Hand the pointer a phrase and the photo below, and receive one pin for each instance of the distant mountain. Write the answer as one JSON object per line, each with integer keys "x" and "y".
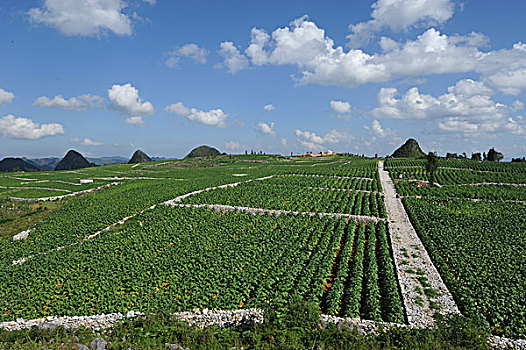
{"x": 49, "y": 163}
{"x": 410, "y": 149}
{"x": 73, "y": 160}
{"x": 203, "y": 151}
{"x": 17, "y": 164}
{"x": 107, "y": 160}
{"x": 139, "y": 157}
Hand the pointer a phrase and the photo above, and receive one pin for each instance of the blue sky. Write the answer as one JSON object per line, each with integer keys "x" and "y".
{"x": 276, "y": 76}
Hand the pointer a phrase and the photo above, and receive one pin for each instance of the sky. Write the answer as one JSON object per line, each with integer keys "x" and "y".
{"x": 107, "y": 77}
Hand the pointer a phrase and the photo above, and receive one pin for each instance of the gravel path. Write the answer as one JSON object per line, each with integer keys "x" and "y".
{"x": 416, "y": 272}
{"x": 260, "y": 211}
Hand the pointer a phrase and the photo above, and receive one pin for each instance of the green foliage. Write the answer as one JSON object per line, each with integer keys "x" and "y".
{"x": 295, "y": 326}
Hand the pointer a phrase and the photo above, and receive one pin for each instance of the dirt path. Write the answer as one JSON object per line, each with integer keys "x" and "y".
{"x": 417, "y": 275}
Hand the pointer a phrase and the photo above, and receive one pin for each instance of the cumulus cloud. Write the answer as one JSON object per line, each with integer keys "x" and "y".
{"x": 341, "y": 107}
{"x": 136, "y": 121}
{"x": 467, "y": 107}
{"x": 191, "y": 51}
{"x": 266, "y": 128}
{"x": 234, "y": 60}
{"x": 306, "y": 46}
{"x": 80, "y": 103}
{"x": 213, "y": 117}
{"x": 85, "y": 18}
{"x": 377, "y": 129}
{"x": 269, "y": 107}
{"x": 401, "y": 15}
{"x": 25, "y": 128}
{"x": 125, "y": 99}
{"x": 234, "y": 146}
{"x": 6, "y": 97}
{"x": 87, "y": 142}
{"x": 315, "y": 142}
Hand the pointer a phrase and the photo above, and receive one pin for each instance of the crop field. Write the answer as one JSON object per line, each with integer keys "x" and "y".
{"x": 475, "y": 235}
{"x": 120, "y": 248}
{"x": 298, "y": 197}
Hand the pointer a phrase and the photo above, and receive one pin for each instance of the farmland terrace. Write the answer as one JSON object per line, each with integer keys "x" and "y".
{"x": 330, "y": 230}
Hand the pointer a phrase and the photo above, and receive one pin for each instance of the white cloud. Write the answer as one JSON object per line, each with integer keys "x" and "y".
{"x": 6, "y": 97}
{"x": 269, "y": 107}
{"x": 85, "y": 18}
{"x": 213, "y": 117}
{"x": 80, "y": 103}
{"x": 306, "y": 46}
{"x": 401, "y": 15}
{"x": 25, "y": 128}
{"x": 377, "y": 129}
{"x": 284, "y": 141}
{"x": 192, "y": 51}
{"x": 233, "y": 58}
{"x": 234, "y": 146}
{"x": 87, "y": 142}
{"x": 266, "y": 128}
{"x": 125, "y": 99}
{"x": 467, "y": 108}
{"x": 315, "y": 142}
{"x": 341, "y": 107}
{"x": 137, "y": 121}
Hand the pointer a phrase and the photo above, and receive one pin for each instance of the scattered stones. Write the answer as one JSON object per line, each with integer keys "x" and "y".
{"x": 22, "y": 235}
{"x": 99, "y": 344}
{"x": 48, "y": 326}
{"x": 82, "y": 347}
{"x": 175, "y": 347}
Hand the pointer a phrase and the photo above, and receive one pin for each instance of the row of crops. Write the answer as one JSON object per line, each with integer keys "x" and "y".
{"x": 447, "y": 177}
{"x": 176, "y": 259}
{"x": 476, "y": 246}
{"x": 493, "y": 193}
{"x": 301, "y": 198}
{"x": 480, "y": 253}
{"x": 352, "y": 167}
{"x": 362, "y": 184}
{"x": 504, "y": 167}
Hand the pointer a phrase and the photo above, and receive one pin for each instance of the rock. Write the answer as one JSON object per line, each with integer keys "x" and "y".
{"x": 48, "y": 326}
{"x": 175, "y": 347}
{"x": 130, "y": 314}
{"x": 99, "y": 344}
{"x": 82, "y": 347}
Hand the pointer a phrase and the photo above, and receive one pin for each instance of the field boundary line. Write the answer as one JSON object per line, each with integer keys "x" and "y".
{"x": 329, "y": 176}
{"x": 476, "y": 200}
{"x": 54, "y": 198}
{"x": 35, "y": 188}
{"x": 227, "y": 208}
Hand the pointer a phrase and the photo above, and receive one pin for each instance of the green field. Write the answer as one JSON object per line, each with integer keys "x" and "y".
{"x": 475, "y": 235}
{"x": 176, "y": 259}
